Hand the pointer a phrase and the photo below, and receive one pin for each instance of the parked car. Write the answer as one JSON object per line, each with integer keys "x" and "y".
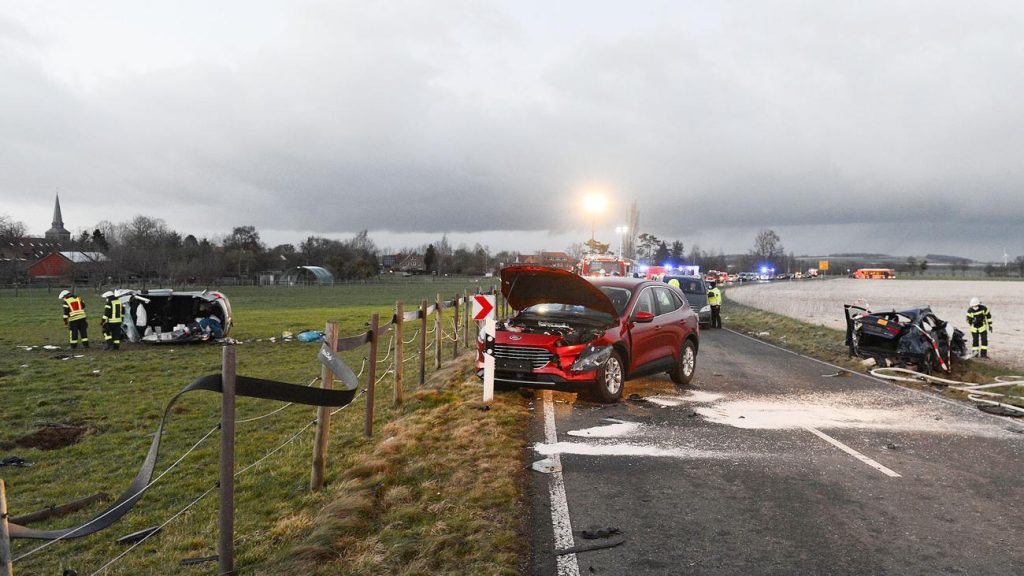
{"x": 165, "y": 316}
{"x": 590, "y": 334}
{"x": 914, "y": 337}
{"x": 696, "y": 292}
{"x": 747, "y": 277}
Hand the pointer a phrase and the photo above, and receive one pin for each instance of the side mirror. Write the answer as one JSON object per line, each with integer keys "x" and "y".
{"x": 643, "y": 318}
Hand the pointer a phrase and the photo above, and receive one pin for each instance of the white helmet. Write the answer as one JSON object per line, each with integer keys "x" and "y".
{"x": 63, "y": 294}
{"x": 975, "y": 301}
{"x": 108, "y": 294}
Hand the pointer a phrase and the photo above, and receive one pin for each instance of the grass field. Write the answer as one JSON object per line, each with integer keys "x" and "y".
{"x": 435, "y": 490}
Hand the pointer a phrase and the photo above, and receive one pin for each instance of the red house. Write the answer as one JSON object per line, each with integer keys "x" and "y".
{"x": 64, "y": 264}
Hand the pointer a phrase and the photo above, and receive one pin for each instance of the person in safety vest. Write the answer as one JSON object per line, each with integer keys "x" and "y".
{"x": 715, "y": 301}
{"x": 113, "y": 315}
{"x": 74, "y": 318}
{"x": 979, "y": 319}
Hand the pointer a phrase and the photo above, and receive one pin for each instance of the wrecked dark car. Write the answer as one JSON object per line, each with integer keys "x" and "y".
{"x": 590, "y": 334}
{"x": 165, "y": 316}
{"x": 914, "y": 338}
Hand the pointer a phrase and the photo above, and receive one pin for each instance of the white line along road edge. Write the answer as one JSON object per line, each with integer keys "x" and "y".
{"x": 560, "y": 522}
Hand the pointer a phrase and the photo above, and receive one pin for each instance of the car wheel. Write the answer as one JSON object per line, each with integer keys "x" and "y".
{"x": 610, "y": 379}
{"x": 686, "y": 364}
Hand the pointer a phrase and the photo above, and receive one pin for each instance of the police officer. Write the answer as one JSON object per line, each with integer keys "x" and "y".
{"x": 74, "y": 318}
{"x": 979, "y": 319}
{"x": 113, "y": 314}
{"x": 715, "y": 300}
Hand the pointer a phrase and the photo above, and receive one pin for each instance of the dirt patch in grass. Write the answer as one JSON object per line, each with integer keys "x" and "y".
{"x": 51, "y": 437}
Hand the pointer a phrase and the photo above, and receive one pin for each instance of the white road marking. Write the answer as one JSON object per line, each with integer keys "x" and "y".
{"x": 560, "y": 522}
{"x": 852, "y": 452}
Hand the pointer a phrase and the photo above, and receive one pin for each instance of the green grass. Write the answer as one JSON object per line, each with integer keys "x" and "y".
{"x": 411, "y": 499}
{"x": 828, "y": 344}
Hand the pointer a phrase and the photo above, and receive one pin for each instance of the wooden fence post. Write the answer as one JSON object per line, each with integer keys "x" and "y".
{"x": 455, "y": 328}
{"x": 226, "y": 516}
{"x": 423, "y": 342}
{"x": 399, "y": 350}
{"x": 323, "y": 416}
{"x": 371, "y": 374}
{"x": 465, "y": 331}
{"x": 438, "y": 332}
{"x": 6, "y": 564}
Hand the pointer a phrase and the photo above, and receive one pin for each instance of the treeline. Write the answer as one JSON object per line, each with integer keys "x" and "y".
{"x": 145, "y": 248}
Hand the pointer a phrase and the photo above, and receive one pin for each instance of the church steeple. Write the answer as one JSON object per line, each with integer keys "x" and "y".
{"x": 57, "y": 231}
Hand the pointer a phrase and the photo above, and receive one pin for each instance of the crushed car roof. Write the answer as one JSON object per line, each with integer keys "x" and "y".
{"x": 525, "y": 286}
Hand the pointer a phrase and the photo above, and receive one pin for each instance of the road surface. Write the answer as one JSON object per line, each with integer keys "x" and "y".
{"x": 769, "y": 465}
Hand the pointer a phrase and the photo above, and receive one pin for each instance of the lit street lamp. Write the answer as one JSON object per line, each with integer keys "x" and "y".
{"x": 594, "y": 204}
{"x": 621, "y": 231}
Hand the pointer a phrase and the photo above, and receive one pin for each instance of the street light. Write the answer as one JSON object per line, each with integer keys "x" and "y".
{"x": 621, "y": 231}
{"x": 594, "y": 203}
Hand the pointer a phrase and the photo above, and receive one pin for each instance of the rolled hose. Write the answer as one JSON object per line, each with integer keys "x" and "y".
{"x": 974, "y": 391}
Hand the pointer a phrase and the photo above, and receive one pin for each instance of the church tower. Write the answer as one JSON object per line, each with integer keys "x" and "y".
{"x": 57, "y": 231}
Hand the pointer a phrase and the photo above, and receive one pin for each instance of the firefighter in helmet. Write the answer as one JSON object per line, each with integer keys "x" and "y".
{"x": 715, "y": 301}
{"x": 979, "y": 319}
{"x": 113, "y": 315}
{"x": 74, "y": 318}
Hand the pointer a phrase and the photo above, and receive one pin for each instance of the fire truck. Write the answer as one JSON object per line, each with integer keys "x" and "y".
{"x": 604, "y": 265}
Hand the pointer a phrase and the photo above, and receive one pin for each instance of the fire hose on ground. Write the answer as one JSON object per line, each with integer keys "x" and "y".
{"x": 980, "y": 393}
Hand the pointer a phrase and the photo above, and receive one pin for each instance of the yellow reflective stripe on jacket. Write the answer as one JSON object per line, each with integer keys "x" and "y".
{"x": 74, "y": 308}
{"x": 113, "y": 311}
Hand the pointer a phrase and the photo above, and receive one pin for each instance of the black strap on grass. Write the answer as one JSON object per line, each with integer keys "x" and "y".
{"x": 244, "y": 386}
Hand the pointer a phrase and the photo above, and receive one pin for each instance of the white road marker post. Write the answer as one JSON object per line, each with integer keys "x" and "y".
{"x": 484, "y": 309}
{"x": 489, "y": 359}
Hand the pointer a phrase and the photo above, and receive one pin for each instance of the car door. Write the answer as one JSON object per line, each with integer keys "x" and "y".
{"x": 643, "y": 336}
{"x": 671, "y": 321}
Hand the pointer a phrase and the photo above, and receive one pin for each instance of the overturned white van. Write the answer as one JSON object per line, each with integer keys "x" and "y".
{"x": 165, "y": 316}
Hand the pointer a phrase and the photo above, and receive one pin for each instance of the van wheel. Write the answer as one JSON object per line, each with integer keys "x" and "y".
{"x": 686, "y": 364}
{"x": 610, "y": 379}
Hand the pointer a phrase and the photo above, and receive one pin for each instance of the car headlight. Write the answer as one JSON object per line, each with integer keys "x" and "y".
{"x": 592, "y": 358}
{"x": 706, "y": 308}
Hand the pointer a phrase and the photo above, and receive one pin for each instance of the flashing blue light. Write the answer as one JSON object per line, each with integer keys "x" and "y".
{"x": 764, "y": 269}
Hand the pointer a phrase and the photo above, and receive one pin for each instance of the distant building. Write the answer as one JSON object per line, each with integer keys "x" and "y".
{"x": 57, "y": 232}
{"x": 66, "y": 265}
{"x": 559, "y": 260}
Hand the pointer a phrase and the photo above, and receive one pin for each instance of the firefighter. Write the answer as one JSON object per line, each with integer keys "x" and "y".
{"x": 74, "y": 318}
{"x": 715, "y": 300}
{"x": 113, "y": 315}
{"x": 979, "y": 319}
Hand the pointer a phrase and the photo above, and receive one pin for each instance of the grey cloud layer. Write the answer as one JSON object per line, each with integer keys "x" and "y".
{"x": 472, "y": 117}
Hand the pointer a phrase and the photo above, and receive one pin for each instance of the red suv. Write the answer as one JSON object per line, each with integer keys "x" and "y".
{"x": 590, "y": 334}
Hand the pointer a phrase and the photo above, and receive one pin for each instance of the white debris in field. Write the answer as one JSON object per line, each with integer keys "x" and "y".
{"x": 821, "y": 302}
{"x": 618, "y": 428}
{"x": 51, "y": 347}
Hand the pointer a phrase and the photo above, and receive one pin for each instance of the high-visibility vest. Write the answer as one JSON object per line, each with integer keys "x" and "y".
{"x": 715, "y": 296}
{"x": 113, "y": 312}
{"x": 74, "y": 308}
{"x": 979, "y": 318}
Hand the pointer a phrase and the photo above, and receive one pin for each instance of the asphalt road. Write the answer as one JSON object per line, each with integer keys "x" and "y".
{"x": 765, "y": 465}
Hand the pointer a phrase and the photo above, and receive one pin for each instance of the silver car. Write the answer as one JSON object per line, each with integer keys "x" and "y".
{"x": 696, "y": 292}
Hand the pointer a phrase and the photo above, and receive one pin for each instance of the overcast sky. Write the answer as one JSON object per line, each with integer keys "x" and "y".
{"x": 888, "y": 126}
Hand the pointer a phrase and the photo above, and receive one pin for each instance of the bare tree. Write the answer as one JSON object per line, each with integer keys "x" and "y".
{"x": 767, "y": 247}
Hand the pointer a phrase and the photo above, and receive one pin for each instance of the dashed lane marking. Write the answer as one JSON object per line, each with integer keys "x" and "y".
{"x": 852, "y": 452}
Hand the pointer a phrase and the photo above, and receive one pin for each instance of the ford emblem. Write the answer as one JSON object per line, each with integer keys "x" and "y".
{"x": 515, "y": 338}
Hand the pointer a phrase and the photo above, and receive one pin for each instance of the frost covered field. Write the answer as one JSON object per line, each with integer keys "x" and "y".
{"x": 821, "y": 302}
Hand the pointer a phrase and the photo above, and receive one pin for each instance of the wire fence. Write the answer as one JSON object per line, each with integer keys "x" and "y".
{"x": 392, "y": 369}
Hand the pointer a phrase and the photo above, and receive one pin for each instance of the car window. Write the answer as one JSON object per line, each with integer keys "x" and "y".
{"x": 618, "y": 296}
{"x": 644, "y": 303}
{"x": 665, "y": 300}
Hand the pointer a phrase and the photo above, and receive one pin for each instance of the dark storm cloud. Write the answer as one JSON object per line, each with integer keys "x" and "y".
{"x": 468, "y": 117}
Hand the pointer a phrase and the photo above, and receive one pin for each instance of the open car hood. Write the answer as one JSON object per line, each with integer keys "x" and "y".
{"x": 525, "y": 286}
